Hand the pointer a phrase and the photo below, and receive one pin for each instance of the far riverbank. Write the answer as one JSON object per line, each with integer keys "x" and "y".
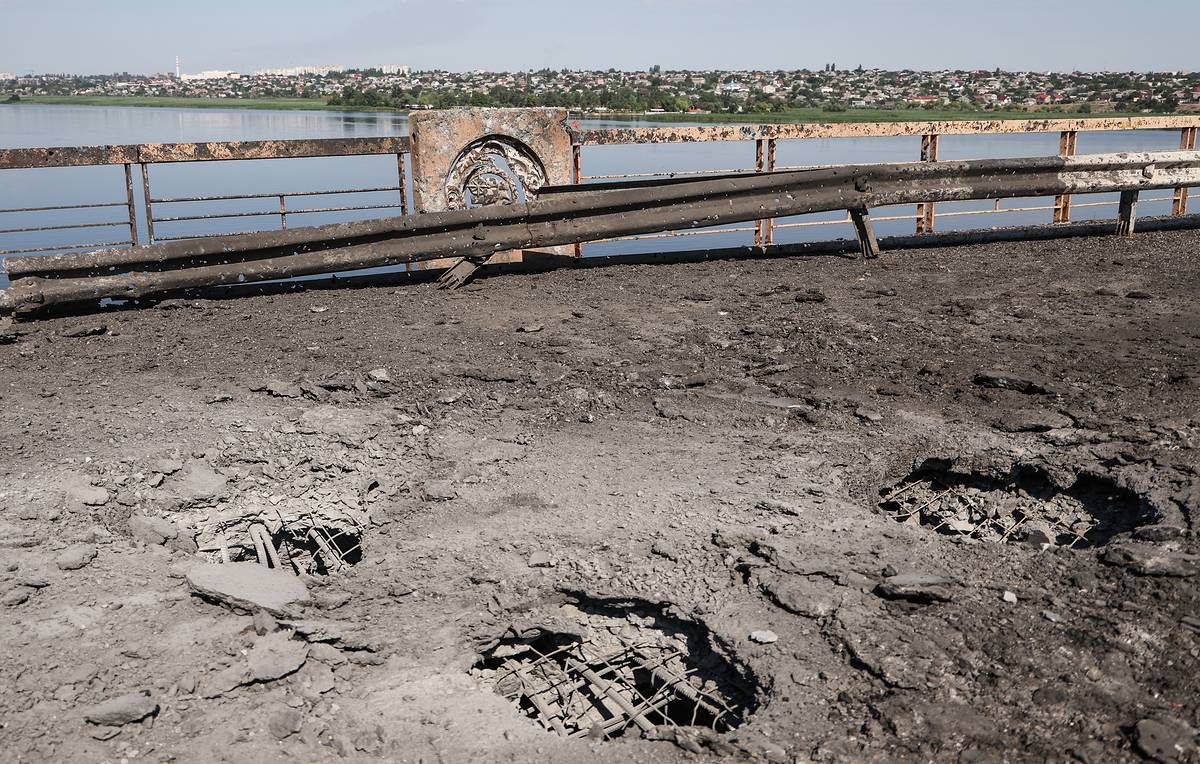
{"x": 790, "y": 116}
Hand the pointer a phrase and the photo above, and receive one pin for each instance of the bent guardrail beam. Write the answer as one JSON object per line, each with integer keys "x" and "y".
{"x": 566, "y": 215}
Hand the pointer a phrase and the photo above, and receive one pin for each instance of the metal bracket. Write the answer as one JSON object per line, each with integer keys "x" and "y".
{"x": 868, "y": 244}
{"x": 460, "y": 273}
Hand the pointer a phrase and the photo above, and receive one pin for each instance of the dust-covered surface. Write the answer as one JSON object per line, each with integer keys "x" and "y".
{"x": 704, "y": 460}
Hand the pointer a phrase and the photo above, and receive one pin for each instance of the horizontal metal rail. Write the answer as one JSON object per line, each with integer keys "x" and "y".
{"x": 726, "y": 132}
{"x": 275, "y": 213}
{"x": 151, "y": 153}
{"x": 176, "y": 199}
{"x": 34, "y": 212}
{"x": 66, "y": 247}
{"x": 67, "y": 226}
{"x": 564, "y": 215}
{"x": 57, "y": 207}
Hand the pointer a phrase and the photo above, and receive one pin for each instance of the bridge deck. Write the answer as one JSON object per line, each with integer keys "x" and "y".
{"x": 616, "y": 419}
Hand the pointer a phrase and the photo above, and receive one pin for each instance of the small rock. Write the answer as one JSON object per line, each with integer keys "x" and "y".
{"x": 916, "y": 587}
{"x": 1006, "y": 381}
{"x": 810, "y": 295}
{"x": 1138, "y": 294}
{"x": 665, "y": 549}
{"x": 764, "y": 636}
{"x": 121, "y": 710}
{"x": 81, "y": 489}
{"x": 1106, "y": 292}
{"x": 1051, "y": 616}
{"x": 90, "y": 329}
{"x": 530, "y": 329}
{"x": 285, "y": 723}
{"x": 1050, "y": 695}
{"x": 264, "y": 623}
{"x": 1165, "y": 740}
{"x": 18, "y": 595}
{"x": 330, "y": 600}
{"x": 1032, "y": 420}
{"x": 1009, "y": 597}
{"x": 168, "y": 466}
{"x": 379, "y": 375}
{"x": 774, "y": 505}
{"x": 187, "y": 684}
{"x": 1038, "y": 534}
{"x": 76, "y": 556}
{"x": 280, "y": 389}
{"x": 541, "y": 559}
{"x": 152, "y": 531}
{"x": 248, "y": 586}
{"x": 1149, "y": 560}
{"x": 198, "y": 482}
{"x": 440, "y": 490}
{"x": 868, "y": 415}
{"x": 1158, "y": 532}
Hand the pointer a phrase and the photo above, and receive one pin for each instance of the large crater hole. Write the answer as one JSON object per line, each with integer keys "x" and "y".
{"x": 1020, "y": 507}
{"x": 616, "y": 671}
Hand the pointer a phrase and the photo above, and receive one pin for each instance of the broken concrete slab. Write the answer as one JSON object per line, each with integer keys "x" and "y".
{"x": 198, "y": 482}
{"x": 76, "y": 556}
{"x": 276, "y": 655}
{"x": 1152, "y": 560}
{"x": 245, "y": 586}
{"x": 156, "y": 531}
{"x": 123, "y": 709}
{"x": 80, "y": 488}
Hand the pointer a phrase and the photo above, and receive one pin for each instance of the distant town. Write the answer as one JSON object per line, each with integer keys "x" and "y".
{"x": 830, "y": 88}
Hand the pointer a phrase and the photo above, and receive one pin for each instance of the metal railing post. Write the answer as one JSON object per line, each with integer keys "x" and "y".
{"x": 282, "y": 213}
{"x": 1187, "y": 142}
{"x": 1067, "y": 140}
{"x": 1127, "y": 213}
{"x": 149, "y": 205}
{"x": 577, "y": 178}
{"x": 769, "y": 233}
{"x": 131, "y": 205}
{"x": 759, "y": 163}
{"x": 402, "y": 183}
{"x": 925, "y": 210}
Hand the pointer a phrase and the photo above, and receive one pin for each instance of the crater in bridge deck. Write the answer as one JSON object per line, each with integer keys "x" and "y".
{"x": 1022, "y": 506}
{"x": 628, "y": 670}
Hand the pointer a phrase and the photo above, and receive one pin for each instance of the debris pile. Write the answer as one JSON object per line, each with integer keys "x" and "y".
{"x": 1021, "y": 507}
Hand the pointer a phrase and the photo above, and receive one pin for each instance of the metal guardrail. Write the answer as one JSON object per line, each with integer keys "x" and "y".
{"x": 766, "y": 139}
{"x": 579, "y": 213}
{"x": 147, "y": 155}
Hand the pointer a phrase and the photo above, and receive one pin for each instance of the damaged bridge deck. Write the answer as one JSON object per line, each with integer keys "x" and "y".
{"x": 818, "y": 508}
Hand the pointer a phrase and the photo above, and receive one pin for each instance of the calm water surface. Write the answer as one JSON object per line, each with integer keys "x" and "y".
{"x": 42, "y": 125}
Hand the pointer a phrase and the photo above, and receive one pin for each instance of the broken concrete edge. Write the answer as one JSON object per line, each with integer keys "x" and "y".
{"x": 248, "y": 586}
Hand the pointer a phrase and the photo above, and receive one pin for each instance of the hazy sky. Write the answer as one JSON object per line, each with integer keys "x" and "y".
{"x": 92, "y": 36}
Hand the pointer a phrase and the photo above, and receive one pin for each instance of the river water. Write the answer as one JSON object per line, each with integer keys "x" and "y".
{"x": 23, "y": 125}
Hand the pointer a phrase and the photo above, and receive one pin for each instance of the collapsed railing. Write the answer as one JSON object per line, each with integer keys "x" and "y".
{"x": 571, "y": 214}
